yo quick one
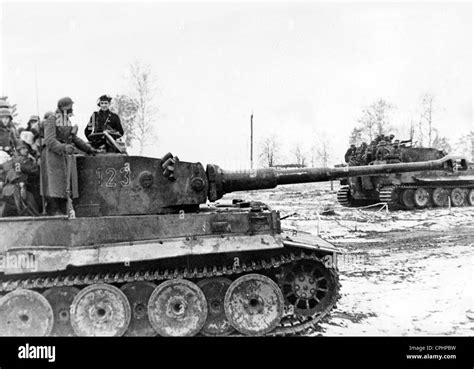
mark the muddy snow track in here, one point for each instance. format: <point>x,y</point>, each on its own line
<point>403,272</point>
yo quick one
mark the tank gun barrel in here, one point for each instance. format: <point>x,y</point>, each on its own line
<point>222,182</point>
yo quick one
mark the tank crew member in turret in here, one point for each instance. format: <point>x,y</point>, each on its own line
<point>102,120</point>
<point>60,140</point>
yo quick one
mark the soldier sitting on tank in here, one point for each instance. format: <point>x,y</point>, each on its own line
<point>394,155</point>
<point>21,173</point>
<point>369,155</point>
<point>59,171</point>
<point>350,151</point>
<point>382,151</point>
<point>103,120</point>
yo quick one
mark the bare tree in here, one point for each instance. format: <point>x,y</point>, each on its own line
<point>299,155</point>
<point>426,117</point>
<point>269,150</point>
<point>144,90</point>
<point>375,119</point>
<point>465,146</point>
<point>355,137</point>
<point>322,150</point>
<point>440,142</point>
<point>412,130</point>
<point>127,109</point>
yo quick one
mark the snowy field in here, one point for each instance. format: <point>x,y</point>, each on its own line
<point>404,272</point>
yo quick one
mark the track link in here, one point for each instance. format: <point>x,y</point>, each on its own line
<point>290,324</point>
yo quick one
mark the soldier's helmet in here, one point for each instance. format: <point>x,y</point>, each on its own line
<point>48,114</point>
<point>382,143</point>
<point>65,102</point>
<point>4,103</point>
<point>34,118</point>
<point>391,136</point>
<point>4,112</point>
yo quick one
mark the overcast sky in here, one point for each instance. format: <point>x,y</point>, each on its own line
<point>305,69</point>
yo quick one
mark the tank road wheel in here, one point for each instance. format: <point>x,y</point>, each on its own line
<point>100,310</point>
<point>177,308</point>
<point>408,198</point>
<point>61,299</point>
<point>308,286</point>
<point>214,289</point>
<point>138,294</point>
<point>458,197</point>
<point>440,197</point>
<point>254,304</point>
<point>470,197</point>
<point>422,197</point>
<point>25,313</point>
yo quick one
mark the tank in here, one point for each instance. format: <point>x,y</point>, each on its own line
<point>146,250</point>
<point>409,190</point>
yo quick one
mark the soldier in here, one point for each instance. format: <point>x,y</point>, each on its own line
<point>382,150</point>
<point>20,192</point>
<point>60,141</point>
<point>102,120</point>
<point>395,152</point>
<point>350,151</point>
<point>7,133</point>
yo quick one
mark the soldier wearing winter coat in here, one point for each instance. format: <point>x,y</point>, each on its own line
<point>60,141</point>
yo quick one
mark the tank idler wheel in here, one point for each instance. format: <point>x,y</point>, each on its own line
<point>421,197</point>
<point>25,313</point>
<point>177,308</point>
<point>215,289</point>
<point>458,197</point>
<point>408,198</point>
<point>138,294</point>
<point>100,310</point>
<point>308,286</point>
<point>470,197</point>
<point>61,299</point>
<point>254,304</point>
<point>440,197</point>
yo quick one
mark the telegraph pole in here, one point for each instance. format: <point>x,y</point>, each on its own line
<point>251,140</point>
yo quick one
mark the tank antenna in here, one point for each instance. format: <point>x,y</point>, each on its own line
<point>40,141</point>
<point>251,140</point>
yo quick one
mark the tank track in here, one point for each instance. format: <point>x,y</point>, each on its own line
<point>392,194</point>
<point>345,199</point>
<point>290,324</point>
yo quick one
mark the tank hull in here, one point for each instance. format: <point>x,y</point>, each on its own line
<point>89,258</point>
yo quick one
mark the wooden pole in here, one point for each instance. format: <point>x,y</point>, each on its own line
<point>251,141</point>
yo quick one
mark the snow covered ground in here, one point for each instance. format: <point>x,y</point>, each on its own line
<point>405,272</point>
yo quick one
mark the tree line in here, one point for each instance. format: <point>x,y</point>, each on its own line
<point>374,120</point>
